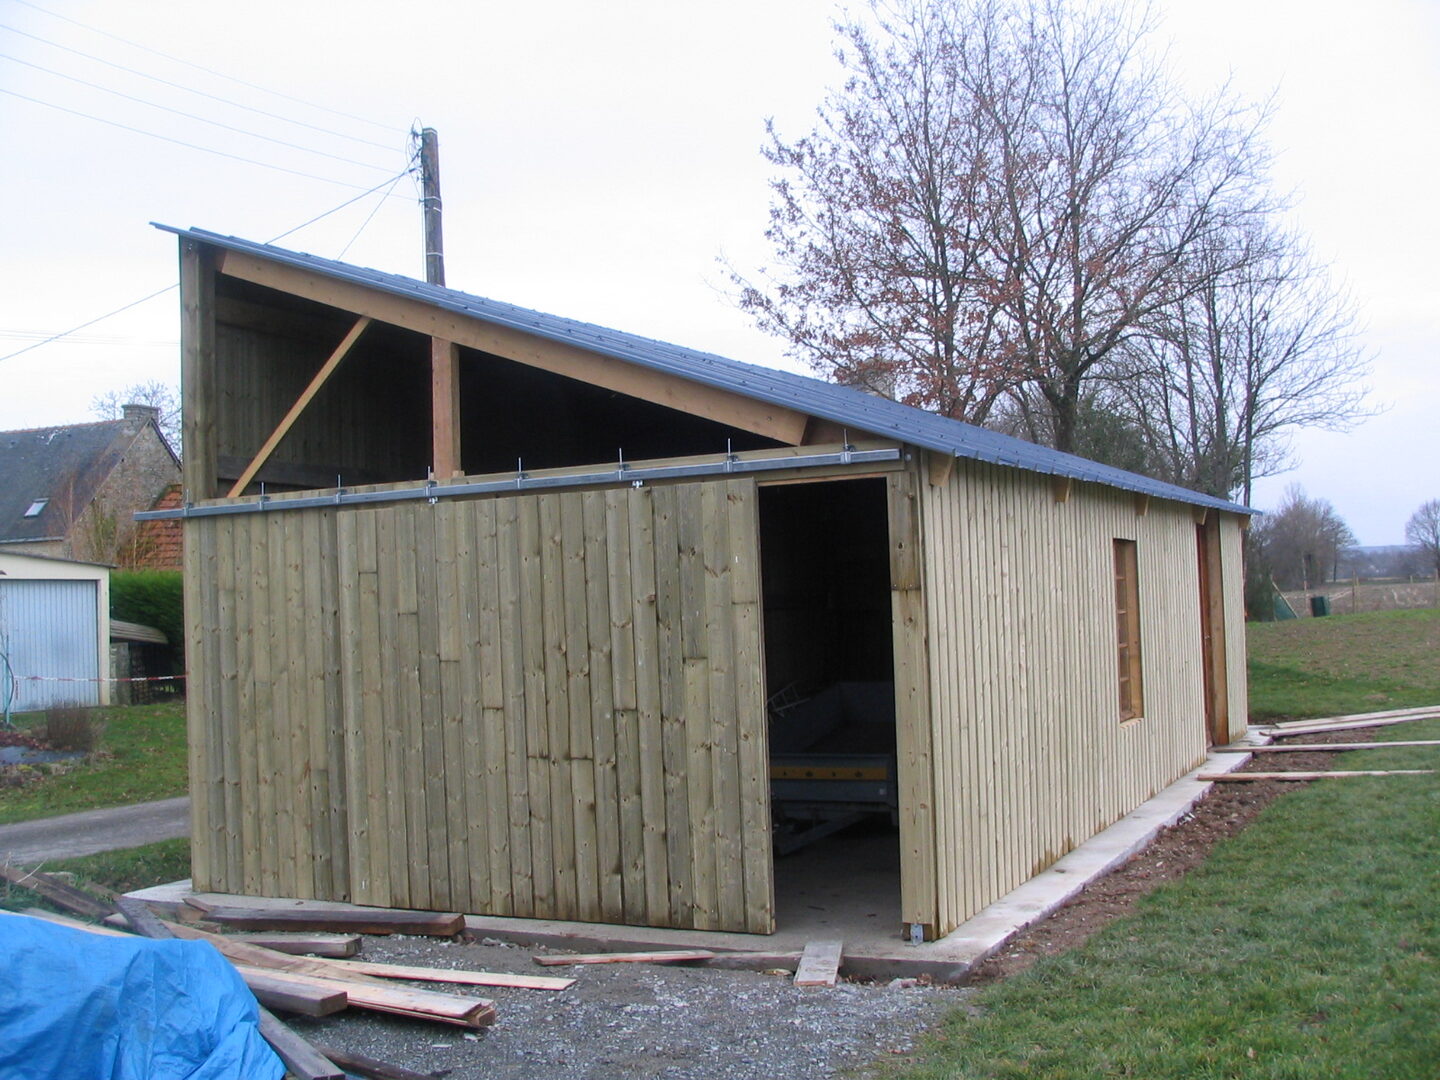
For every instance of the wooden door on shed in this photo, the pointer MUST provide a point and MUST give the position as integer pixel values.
(554, 706)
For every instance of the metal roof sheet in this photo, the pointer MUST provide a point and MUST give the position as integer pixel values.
(840, 404)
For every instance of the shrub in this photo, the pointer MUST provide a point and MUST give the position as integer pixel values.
(152, 597)
(72, 727)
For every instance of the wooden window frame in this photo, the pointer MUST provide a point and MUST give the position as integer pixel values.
(1129, 654)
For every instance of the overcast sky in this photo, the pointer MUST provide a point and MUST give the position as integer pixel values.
(596, 159)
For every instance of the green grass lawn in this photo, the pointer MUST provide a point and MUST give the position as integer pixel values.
(1306, 946)
(1344, 664)
(145, 760)
(119, 871)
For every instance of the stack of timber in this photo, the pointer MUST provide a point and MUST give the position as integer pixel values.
(1353, 722)
(306, 985)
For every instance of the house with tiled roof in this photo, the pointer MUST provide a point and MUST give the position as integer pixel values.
(71, 491)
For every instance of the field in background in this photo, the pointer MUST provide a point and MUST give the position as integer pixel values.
(1350, 599)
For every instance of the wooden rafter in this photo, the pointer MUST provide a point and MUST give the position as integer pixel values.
(283, 428)
(673, 391)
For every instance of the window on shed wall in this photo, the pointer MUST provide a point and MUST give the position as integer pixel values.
(1127, 625)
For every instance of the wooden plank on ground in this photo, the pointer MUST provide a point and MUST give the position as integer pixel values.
(361, 1065)
(819, 963)
(57, 891)
(359, 921)
(403, 1001)
(673, 956)
(1415, 712)
(1349, 725)
(333, 946)
(1299, 747)
(300, 1058)
(452, 975)
(1232, 778)
(278, 991)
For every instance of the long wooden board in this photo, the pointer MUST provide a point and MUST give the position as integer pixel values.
(673, 956)
(1398, 714)
(402, 1001)
(1309, 747)
(332, 946)
(434, 923)
(1240, 778)
(276, 991)
(453, 975)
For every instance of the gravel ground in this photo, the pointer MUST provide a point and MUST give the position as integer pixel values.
(635, 1021)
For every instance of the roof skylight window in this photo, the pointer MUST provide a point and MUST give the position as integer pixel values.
(36, 507)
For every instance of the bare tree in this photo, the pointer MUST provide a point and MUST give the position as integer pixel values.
(1001, 195)
(878, 227)
(1257, 343)
(1423, 530)
(111, 405)
(1299, 543)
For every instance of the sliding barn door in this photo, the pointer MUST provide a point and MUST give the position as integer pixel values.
(554, 706)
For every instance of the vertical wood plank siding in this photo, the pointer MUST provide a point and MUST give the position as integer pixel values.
(467, 705)
(1029, 754)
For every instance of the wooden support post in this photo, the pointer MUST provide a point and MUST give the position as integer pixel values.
(1060, 487)
(283, 428)
(1142, 504)
(445, 407)
(919, 889)
(197, 368)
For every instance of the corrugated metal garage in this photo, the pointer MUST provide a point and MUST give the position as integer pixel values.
(54, 632)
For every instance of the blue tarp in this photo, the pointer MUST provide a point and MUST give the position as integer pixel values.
(79, 1006)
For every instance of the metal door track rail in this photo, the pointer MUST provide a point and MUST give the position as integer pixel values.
(634, 475)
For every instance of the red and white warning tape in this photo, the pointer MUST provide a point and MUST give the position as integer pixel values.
(115, 678)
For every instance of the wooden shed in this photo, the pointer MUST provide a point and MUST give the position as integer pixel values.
(498, 611)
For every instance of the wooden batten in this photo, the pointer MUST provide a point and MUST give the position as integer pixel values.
(672, 391)
(1201, 513)
(445, 407)
(308, 395)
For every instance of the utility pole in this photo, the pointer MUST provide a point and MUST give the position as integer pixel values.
(444, 355)
(430, 202)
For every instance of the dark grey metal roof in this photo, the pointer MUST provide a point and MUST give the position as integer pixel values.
(858, 411)
(63, 465)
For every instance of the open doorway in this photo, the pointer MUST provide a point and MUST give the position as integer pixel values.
(830, 686)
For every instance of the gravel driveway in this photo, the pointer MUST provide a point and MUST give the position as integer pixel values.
(632, 1021)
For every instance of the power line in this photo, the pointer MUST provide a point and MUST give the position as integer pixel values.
(192, 116)
(181, 142)
(207, 71)
(92, 322)
(347, 202)
(108, 340)
(161, 292)
(190, 89)
(371, 217)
